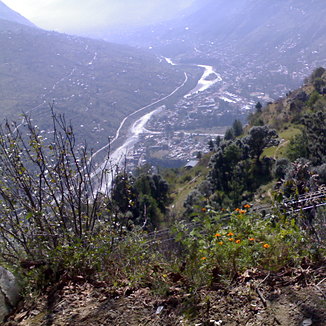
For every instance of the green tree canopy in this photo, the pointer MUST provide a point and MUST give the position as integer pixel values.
(258, 139)
(237, 128)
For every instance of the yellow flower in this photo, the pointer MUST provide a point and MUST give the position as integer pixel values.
(217, 235)
(203, 258)
(266, 245)
(231, 239)
(237, 241)
(221, 243)
(230, 234)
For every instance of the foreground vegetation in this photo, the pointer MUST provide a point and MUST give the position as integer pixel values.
(60, 220)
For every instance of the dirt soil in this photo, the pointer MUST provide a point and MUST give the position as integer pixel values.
(287, 298)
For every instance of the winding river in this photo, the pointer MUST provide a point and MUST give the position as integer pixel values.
(130, 137)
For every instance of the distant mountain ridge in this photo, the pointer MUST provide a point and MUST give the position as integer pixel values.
(249, 21)
(246, 24)
(261, 48)
(8, 14)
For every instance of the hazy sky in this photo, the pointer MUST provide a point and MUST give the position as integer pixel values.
(79, 15)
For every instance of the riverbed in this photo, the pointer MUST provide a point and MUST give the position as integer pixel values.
(117, 157)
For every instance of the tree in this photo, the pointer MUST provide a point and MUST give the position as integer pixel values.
(315, 130)
(124, 203)
(153, 196)
(237, 128)
(281, 168)
(258, 139)
(317, 73)
(223, 164)
(258, 107)
(319, 84)
(50, 192)
(297, 147)
(218, 141)
(229, 134)
(211, 145)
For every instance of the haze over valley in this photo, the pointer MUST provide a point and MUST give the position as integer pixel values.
(162, 162)
(94, 83)
(242, 53)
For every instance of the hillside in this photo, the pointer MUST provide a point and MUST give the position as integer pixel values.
(95, 83)
(238, 171)
(289, 111)
(238, 239)
(8, 14)
(261, 48)
(138, 257)
(251, 27)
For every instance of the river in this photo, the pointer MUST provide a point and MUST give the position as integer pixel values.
(117, 157)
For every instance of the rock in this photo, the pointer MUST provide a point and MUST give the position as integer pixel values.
(9, 293)
(307, 322)
(159, 310)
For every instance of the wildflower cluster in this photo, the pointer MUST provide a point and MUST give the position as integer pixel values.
(231, 238)
(240, 211)
(240, 240)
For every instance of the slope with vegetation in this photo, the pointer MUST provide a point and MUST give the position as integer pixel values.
(256, 27)
(94, 83)
(260, 48)
(86, 257)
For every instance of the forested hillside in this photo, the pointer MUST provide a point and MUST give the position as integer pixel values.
(285, 136)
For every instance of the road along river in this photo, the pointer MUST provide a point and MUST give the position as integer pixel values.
(126, 137)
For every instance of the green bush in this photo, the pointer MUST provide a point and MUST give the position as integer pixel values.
(53, 212)
(220, 245)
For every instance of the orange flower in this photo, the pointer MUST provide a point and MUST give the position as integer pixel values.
(230, 234)
(251, 239)
(203, 258)
(217, 235)
(237, 241)
(204, 209)
(237, 209)
(242, 211)
(247, 206)
(266, 245)
(221, 243)
(231, 239)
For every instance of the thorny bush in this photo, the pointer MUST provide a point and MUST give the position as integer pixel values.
(52, 205)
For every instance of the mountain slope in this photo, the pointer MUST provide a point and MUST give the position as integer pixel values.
(261, 48)
(250, 23)
(262, 24)
(95, 83)
(11, 15)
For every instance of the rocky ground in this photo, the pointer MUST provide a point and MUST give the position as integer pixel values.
(289, 297)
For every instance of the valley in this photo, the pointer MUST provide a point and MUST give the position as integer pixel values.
(166, 172)
(173, 134)
(260, 49)
(100, 85)
(95, 84)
